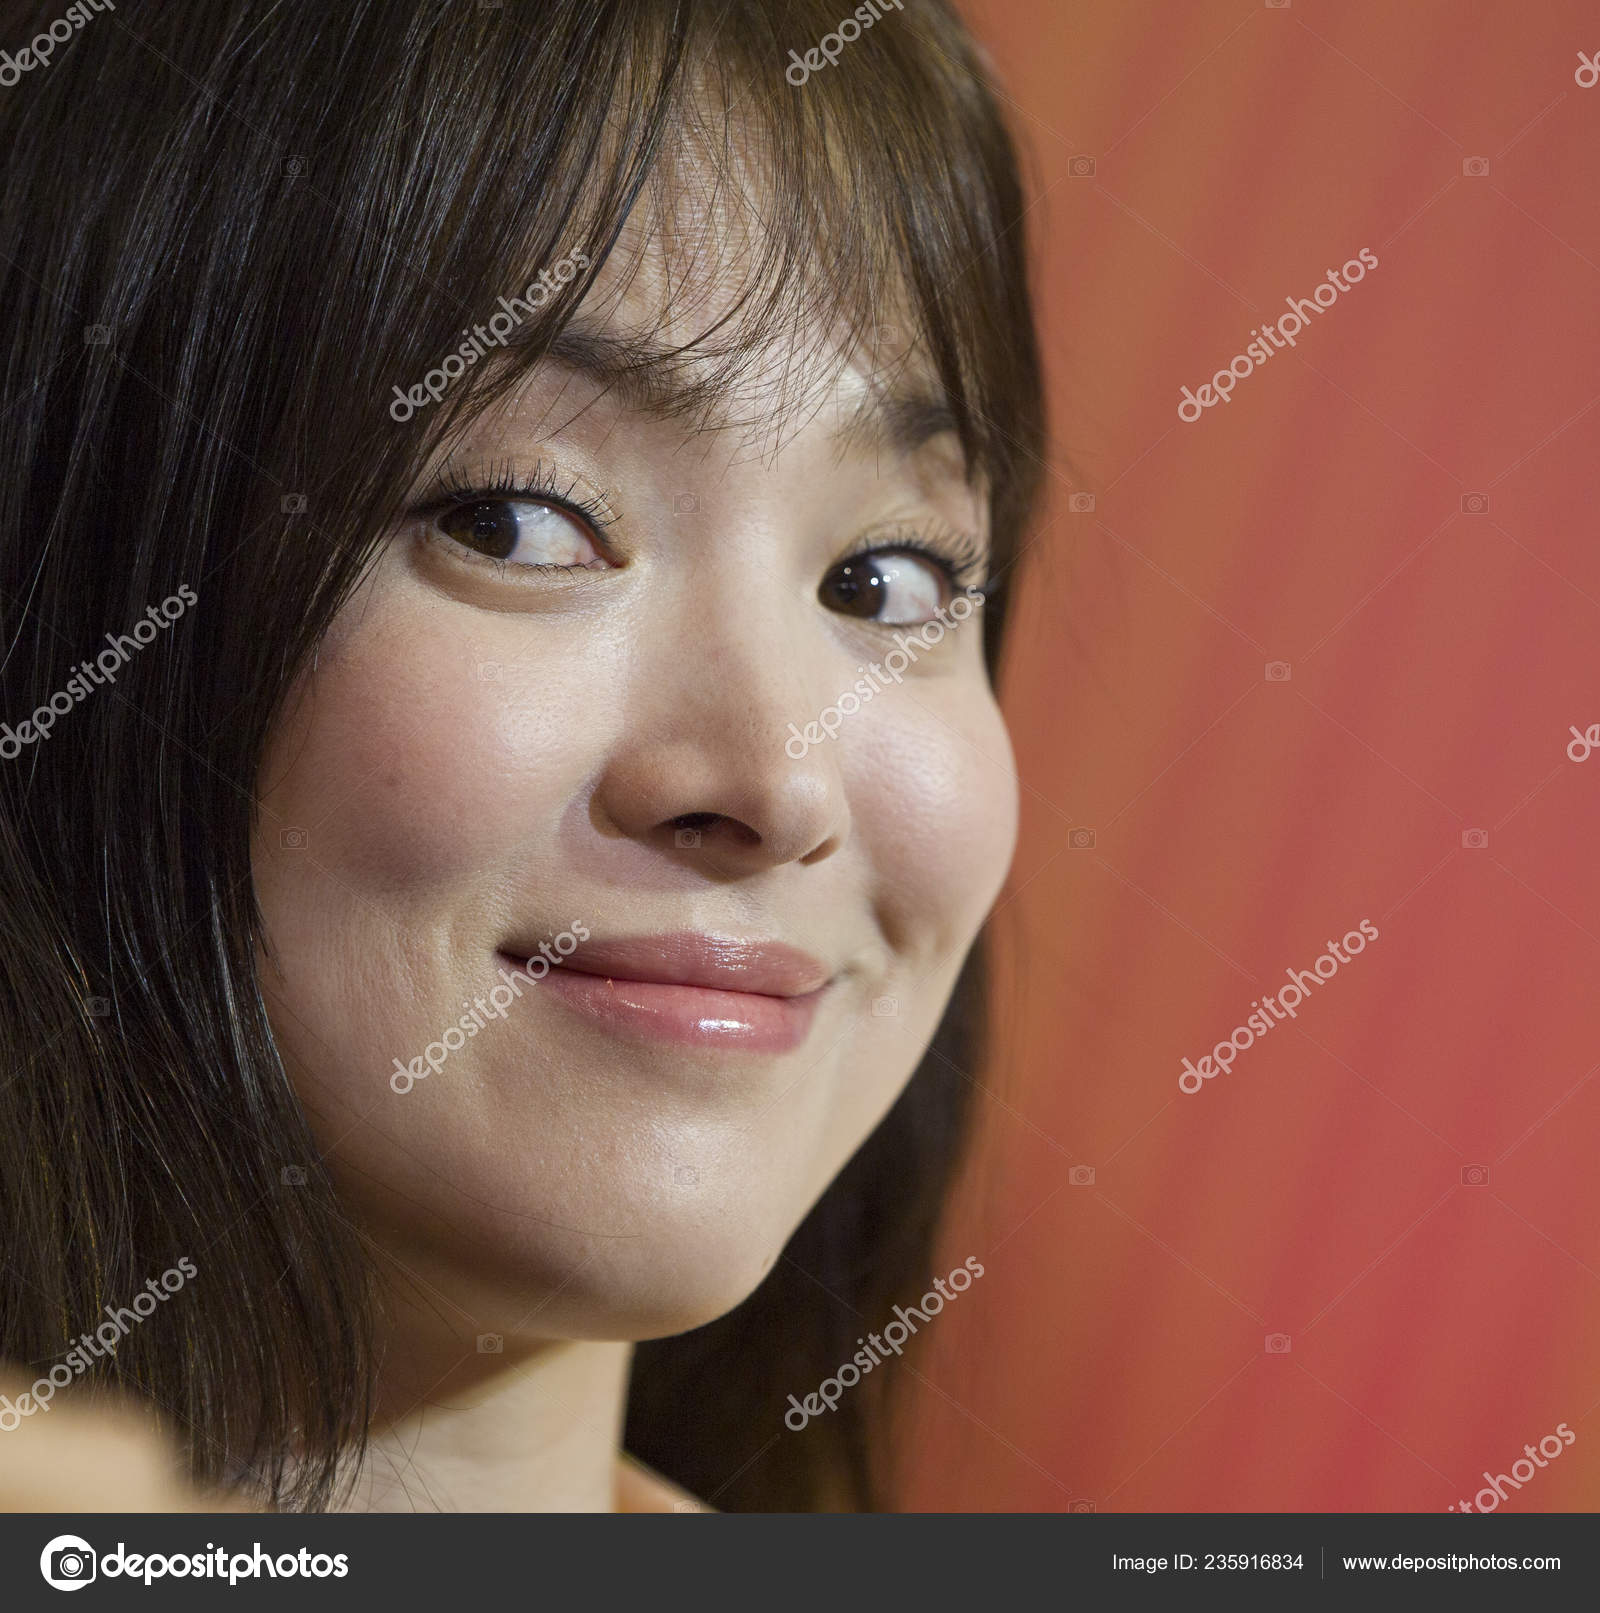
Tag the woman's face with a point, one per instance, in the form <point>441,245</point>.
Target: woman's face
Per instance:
<point>494,752</point>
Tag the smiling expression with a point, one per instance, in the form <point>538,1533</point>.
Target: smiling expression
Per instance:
<point>561,705</point>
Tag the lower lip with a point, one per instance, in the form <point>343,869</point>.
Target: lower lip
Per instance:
<point>695,1016</point>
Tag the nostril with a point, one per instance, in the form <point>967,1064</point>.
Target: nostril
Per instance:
<point>689,829</point>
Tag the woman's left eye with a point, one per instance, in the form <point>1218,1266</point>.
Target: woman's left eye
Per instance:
<point>892,586</point>
<point>521,532</point>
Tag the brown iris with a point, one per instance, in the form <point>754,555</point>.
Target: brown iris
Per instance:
<point>855,588</point>
<point>492,527</point>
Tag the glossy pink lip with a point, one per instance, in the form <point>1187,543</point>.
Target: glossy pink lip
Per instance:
<point>702,990</point>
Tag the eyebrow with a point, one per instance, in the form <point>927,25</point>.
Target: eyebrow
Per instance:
<point>655,380</point>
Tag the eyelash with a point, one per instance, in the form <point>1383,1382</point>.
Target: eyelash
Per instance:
<point>958,556</point>
<point>450,489</point>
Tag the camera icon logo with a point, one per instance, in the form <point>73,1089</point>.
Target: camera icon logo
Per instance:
<point>1084,1505</point>
<point>1276,5</point>
<point>1278,671</point>
<point>1474,167</point>
<point>1080,503</point>
<point>1474,1175</point>
<point>686,837</point>
<point>489,670</point>
<point>97,335</point>
<point>97,1007</point>
<point>491,1344</point>
<point>885,1007</point>
<point>293,839</point>
<point>294,167</point>
<point>685,503</point>
<point>1277,1344</point>
<point>1081,167</point>
<point>1474,839</point>
<point>686,1176</point>
<point>1474,503</point>
<point>1080,1176</point>
<point>293,1175</point>
<point>294,504</point>
<point>1081,839</point>
<point>69,1563</point>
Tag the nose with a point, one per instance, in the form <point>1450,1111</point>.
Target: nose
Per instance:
<point>703,774</point>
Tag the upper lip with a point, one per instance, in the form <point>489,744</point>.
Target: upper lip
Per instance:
<point>685,958</point>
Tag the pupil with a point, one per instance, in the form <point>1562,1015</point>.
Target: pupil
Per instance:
<point>856,588</point>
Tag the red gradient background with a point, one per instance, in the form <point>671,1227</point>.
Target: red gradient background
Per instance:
<point>1114,1353</point>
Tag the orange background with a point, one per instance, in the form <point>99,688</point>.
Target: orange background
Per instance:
<point>1114,1353</point>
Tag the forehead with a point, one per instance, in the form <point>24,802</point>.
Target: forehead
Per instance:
<point>686,321</point>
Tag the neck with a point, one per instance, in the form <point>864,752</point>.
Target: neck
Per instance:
<point>535,1429</point>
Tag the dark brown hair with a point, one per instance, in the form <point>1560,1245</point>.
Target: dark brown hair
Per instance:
<point>229,233</point>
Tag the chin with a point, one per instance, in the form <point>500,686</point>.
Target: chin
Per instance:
<point>615,1258</point>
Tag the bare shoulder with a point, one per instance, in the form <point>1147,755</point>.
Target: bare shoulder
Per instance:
<point>642,1489</point>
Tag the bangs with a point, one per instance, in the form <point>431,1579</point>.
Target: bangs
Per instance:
<point>869,215</point>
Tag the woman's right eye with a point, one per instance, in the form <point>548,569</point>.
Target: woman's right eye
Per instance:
<point>521,532</point>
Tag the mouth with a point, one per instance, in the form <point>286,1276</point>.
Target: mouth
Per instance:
<point>691,989</point>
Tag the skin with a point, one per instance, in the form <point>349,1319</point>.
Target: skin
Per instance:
<point>557,1186</point>
<point>94,1455</point>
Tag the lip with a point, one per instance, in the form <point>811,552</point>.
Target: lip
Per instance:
<point>693,989</point>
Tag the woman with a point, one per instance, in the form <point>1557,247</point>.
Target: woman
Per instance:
<point>509,925</point>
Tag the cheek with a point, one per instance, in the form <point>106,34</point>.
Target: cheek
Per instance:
<point>936,799</point>
<point>413,765</point>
